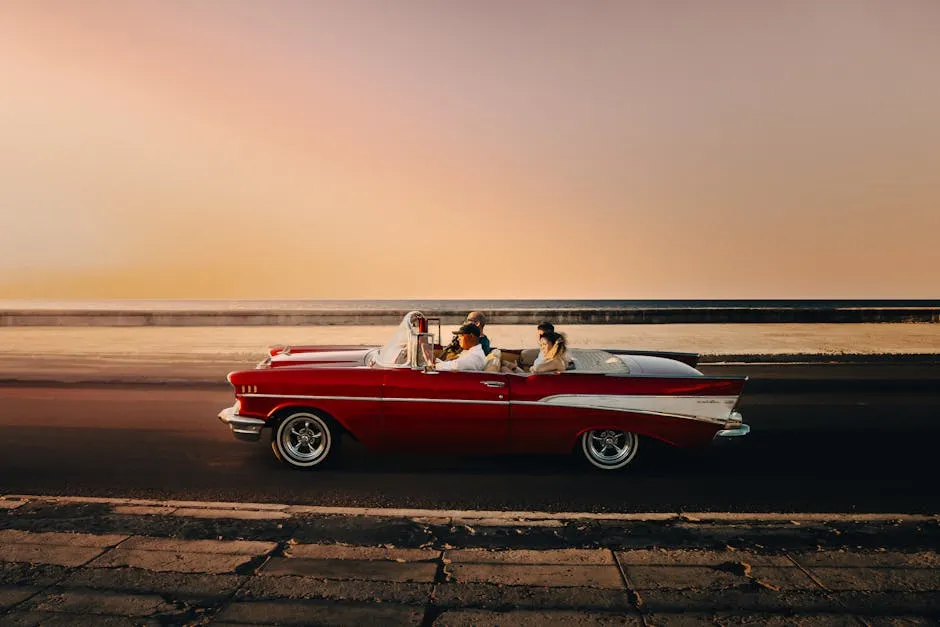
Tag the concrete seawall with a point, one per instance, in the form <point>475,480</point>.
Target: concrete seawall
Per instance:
<point>678,315</point>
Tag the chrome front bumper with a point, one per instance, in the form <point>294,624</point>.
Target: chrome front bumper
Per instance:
<point>243,427</point>
<point>736,428</point>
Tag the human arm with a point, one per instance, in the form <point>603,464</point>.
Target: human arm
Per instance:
<point>453,364</point>
<point>549,365</point>
<point>467,360</point>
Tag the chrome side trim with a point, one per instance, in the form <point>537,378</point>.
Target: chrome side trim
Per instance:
<point>376,398</point>
<point>243,427</point>
<point>443,400</point>
<point>556,401</point>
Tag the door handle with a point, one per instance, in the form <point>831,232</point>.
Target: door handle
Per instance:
<point>494,384</point>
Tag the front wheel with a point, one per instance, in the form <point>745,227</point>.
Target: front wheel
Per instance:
<point>609,449</point>
<point>303,440</point>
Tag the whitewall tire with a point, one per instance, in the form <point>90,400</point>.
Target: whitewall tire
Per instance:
<point>303,439</point>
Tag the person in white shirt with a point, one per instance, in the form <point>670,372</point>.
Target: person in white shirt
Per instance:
<point>471,355</point>
<point>479,319</point>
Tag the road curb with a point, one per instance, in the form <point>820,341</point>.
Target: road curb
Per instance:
<point>129,578</point>
<point>231,510</point>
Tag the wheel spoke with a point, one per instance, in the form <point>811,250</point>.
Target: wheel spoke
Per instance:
<point>609,448</point>
<point>304,440</point>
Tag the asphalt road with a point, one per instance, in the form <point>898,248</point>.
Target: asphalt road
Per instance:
<point>846,439</point>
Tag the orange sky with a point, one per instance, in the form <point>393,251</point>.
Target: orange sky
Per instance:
<point>530,149</point>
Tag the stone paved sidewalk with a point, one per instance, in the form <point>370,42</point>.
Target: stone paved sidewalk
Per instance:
<point>120,579</point>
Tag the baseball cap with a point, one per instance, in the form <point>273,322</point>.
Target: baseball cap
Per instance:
<point>468,329</point>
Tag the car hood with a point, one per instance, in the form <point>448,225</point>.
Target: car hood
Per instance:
<point>333,359</point>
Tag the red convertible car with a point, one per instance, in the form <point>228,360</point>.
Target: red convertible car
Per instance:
<point>388,398</point>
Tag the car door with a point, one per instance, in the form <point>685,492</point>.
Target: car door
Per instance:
<point>449,411</point>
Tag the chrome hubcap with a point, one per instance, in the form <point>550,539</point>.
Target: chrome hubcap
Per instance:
<point>304,438</point>
<point>610,447</point>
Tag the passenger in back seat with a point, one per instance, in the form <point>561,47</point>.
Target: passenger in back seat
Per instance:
<point>542,329</point>
<point>554,351</point>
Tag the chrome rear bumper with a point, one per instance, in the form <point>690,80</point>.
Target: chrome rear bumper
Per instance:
<point>736,428</point>
<point>243,427</point>
<point>733,433</point>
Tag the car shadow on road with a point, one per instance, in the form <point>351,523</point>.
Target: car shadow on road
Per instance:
<point>655,458</point>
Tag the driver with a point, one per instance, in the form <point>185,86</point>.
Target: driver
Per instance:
<point>479,319</point>
<point>471,354</point>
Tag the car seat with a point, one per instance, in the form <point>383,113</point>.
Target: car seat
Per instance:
<point>493,361</point>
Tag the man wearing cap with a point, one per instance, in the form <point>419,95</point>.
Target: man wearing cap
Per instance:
<point>471,353</point>
<point>477,318</point>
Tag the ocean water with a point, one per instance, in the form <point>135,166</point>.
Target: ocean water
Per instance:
<point>442,305</point>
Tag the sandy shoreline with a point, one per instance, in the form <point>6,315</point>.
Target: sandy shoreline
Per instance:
<point>239,343</point>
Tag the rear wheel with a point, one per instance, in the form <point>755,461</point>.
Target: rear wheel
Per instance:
<point>304,439</point>
<point>609,449</point>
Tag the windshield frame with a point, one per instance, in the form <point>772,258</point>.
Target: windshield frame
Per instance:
<point>401,350</point>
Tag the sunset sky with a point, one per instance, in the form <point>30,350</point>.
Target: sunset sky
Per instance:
<point>486,149</point>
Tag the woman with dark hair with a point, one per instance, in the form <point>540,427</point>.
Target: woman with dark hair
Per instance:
<point>553,352</point>
<point>542,329</point>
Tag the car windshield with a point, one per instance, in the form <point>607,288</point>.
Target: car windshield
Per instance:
<point>396,350</point>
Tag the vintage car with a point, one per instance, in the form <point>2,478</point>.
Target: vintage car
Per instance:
<point>389,398</point>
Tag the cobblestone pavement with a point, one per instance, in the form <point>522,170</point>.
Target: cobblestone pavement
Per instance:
<point>110,562</point>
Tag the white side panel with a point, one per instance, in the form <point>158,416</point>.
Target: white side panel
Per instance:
<point>711,408</point>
